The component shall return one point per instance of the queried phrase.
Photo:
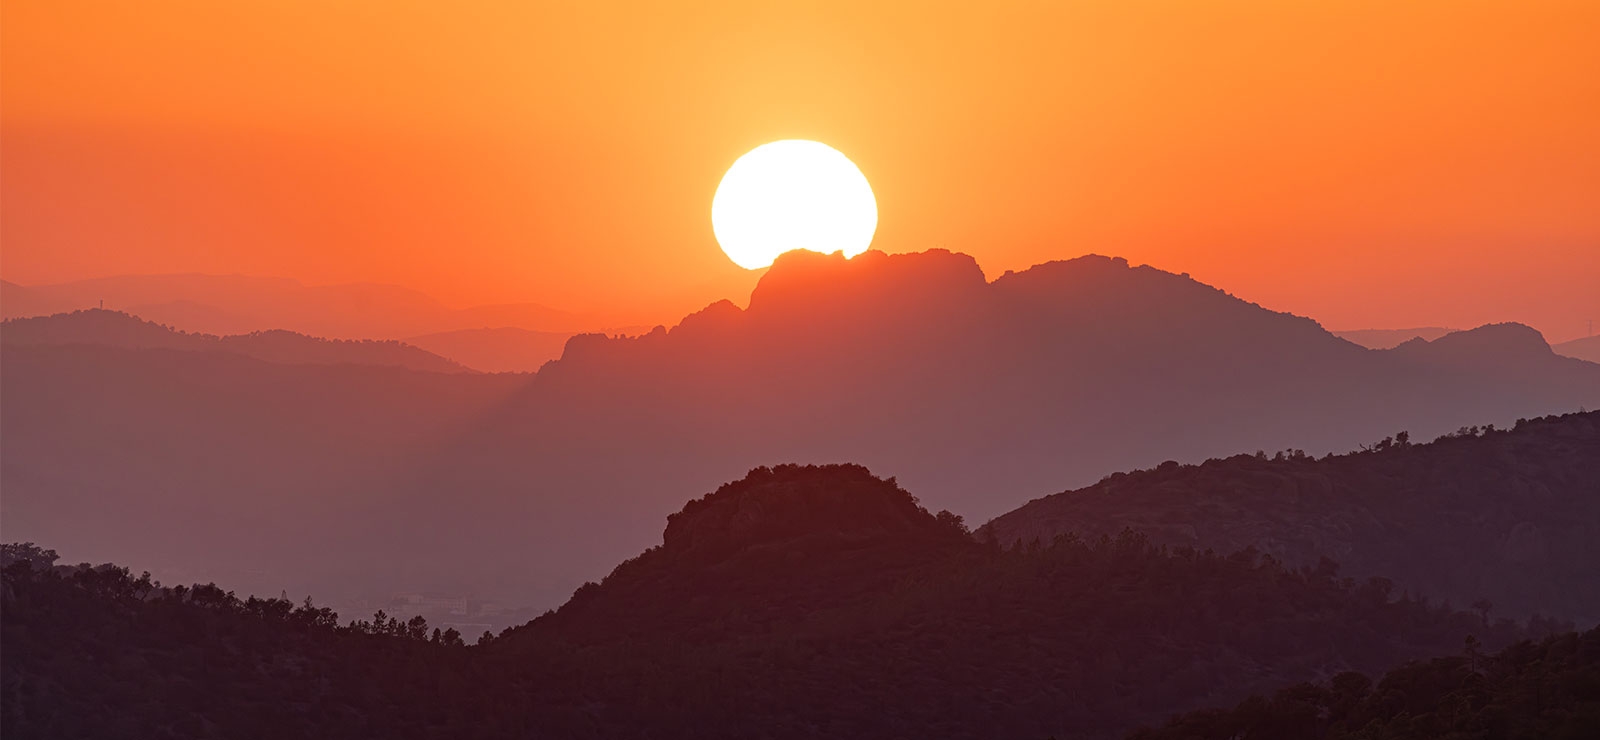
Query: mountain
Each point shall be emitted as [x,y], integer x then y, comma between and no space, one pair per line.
[800,601]
[240,304]
[1586,349]
[977,394]
[1390,338]
[126,331]
[503,350]
[1512,516]
[972,390]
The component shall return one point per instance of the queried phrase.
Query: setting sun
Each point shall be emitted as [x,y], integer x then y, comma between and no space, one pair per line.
[792,194]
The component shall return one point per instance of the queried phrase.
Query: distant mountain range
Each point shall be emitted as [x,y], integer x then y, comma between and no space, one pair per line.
[1587,348]
[349,480]
[238,304]
[116,329]
[1390,338]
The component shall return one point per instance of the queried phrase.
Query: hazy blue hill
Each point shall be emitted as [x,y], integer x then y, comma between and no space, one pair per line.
[126,331]
[1508,515]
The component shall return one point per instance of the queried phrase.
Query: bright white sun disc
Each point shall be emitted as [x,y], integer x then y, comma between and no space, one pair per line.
[792,194]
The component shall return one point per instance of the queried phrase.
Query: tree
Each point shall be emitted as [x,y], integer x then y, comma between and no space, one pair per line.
[36,557]
[953,521]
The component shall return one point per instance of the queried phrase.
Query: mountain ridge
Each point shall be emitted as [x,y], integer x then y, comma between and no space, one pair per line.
[108,328]
[978,396]
[239,304]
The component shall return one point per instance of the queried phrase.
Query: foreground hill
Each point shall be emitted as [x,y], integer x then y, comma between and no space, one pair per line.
[797,602]
[1512,516]
[978,394]
[126,331]
[1545,690]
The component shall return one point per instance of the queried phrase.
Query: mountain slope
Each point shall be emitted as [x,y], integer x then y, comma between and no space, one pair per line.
[126,331]
[1509,515]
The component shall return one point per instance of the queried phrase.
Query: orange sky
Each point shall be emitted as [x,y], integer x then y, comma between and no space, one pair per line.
[1367,164]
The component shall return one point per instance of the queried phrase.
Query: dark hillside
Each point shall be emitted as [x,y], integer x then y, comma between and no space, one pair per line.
[1546,690]
[807,601]
[1512,516]
[799,602]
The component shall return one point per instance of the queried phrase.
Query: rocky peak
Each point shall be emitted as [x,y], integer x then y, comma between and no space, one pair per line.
[808,283]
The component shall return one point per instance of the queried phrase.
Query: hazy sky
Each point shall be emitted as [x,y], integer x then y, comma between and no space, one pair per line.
[1366,164]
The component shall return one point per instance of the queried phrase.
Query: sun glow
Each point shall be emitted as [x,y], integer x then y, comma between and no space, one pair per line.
[792,194]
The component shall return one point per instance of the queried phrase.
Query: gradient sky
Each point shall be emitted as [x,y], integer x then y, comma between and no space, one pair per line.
[1364,163]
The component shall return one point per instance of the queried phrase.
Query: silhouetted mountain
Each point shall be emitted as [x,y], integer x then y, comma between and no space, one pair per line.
[977,394]
[1508,516]
[798,602]
[1391,338]
[126,331]
[1586,349]
[504,350]
[1544,690]
[239,304]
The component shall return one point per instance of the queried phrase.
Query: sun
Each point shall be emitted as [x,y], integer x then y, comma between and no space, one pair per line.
[792,194]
